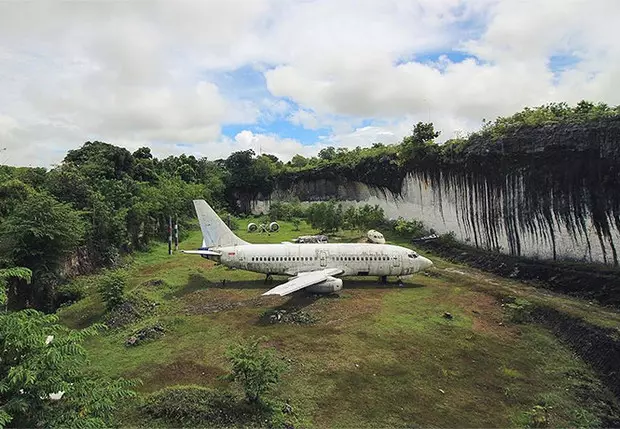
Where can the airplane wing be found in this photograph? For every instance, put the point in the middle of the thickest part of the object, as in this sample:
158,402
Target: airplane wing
303,280
202,252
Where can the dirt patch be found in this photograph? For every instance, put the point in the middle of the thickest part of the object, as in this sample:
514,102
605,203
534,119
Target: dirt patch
587,281
299,317
353,304
218,300
487,315
180,372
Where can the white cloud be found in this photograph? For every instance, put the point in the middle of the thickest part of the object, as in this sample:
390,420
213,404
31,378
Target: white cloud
136,73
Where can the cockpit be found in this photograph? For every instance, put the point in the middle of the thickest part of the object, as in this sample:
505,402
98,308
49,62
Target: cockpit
412,255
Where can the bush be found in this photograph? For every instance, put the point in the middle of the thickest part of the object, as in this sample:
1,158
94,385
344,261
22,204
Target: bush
255,369
519,310
69,293
325,216
195,405
112,289
412,227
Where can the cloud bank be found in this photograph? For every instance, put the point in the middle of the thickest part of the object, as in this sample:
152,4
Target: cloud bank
215,76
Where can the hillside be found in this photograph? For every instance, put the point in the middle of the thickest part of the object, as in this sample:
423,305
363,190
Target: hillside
377,355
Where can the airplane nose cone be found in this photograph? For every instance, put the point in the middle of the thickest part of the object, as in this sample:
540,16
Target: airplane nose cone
426,263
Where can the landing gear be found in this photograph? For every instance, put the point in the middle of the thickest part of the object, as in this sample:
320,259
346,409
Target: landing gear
400,282
383,280
268,279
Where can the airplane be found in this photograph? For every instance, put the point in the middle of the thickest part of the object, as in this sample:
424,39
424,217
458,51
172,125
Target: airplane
313,267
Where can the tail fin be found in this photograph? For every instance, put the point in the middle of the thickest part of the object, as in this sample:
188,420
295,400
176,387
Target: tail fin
215,233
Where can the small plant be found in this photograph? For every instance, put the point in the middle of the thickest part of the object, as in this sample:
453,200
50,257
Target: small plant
254,368
539,417
112,289
296,222
519,310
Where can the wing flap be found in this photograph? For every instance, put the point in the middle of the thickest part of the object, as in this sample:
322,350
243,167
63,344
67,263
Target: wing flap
303,280
202,252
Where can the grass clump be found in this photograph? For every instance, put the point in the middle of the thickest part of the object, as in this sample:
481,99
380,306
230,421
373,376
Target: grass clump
518,310
200,406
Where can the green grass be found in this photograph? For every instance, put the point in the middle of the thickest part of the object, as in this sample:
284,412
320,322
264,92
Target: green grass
378,356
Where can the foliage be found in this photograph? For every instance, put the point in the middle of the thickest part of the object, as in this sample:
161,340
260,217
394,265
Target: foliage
195,405
420,145
112,289
41,361
325,216
368,217
255,369
519,310
411,228
282,210
41,231
296,222
551,113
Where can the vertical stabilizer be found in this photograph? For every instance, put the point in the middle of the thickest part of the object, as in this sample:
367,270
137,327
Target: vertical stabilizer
215,233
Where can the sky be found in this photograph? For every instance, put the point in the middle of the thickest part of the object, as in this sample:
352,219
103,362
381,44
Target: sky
211,77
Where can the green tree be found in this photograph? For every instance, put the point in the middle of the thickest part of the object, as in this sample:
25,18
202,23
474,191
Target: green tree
299,161
12,193
41,231
350,218
325,216
369,217
45,377
39,234
254,368
327,153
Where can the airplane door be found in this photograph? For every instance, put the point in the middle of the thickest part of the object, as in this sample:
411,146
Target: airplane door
323,258
396,261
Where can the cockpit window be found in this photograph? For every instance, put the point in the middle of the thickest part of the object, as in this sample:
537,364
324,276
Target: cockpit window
413,255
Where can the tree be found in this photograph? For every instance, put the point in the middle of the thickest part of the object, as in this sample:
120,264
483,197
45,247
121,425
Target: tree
327,153
39,234
420,145
41,231
299,161
369,217
255,369
45,377
325,216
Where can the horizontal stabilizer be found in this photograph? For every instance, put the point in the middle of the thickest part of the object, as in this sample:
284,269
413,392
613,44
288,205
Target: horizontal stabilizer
202,252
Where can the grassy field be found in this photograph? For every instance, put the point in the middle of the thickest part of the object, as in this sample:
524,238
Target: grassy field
377,356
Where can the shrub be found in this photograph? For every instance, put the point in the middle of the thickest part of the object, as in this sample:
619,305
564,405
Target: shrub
112,289
519,310
412,227
196,405
255,369
69,293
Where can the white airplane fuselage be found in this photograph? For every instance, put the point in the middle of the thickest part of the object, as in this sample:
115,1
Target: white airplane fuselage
356,259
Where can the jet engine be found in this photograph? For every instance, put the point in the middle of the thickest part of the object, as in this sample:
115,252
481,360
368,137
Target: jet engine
330,285
252,227
274,227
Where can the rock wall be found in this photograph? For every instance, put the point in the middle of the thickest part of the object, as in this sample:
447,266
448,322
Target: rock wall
548,191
